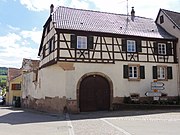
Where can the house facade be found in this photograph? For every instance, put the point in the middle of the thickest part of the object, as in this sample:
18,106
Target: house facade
14,91
170,21
91,60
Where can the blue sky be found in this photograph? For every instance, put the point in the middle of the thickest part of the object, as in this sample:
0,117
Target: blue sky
21,21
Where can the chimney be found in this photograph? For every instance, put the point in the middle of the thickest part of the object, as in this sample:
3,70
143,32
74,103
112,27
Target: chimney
51,8
132,14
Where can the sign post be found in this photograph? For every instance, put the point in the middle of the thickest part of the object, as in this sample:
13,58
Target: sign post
155,91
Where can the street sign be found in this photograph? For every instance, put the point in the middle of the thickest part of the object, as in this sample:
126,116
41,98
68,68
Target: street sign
153,94
157,86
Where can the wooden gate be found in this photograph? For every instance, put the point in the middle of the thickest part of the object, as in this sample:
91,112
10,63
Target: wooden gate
94,94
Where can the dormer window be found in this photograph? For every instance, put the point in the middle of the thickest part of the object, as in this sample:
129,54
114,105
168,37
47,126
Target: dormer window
161,19
48,28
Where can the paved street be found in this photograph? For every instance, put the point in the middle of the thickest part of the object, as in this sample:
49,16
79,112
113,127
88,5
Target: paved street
153,122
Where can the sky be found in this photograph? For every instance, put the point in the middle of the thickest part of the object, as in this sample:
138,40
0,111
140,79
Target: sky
21,21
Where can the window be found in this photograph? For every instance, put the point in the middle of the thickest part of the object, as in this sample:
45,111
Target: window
162,72
161,19
81,42
131,46
16,86
162,48
48,28
134,72
51,45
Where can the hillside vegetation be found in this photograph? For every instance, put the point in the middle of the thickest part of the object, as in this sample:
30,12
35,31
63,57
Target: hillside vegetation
3,76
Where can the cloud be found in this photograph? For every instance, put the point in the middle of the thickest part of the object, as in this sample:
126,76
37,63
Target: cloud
13,28
40,5
143,8
79,4
18,45
34,35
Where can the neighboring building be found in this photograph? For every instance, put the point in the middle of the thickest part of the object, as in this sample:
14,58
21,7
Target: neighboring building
14,86
91,60
170,21
29,80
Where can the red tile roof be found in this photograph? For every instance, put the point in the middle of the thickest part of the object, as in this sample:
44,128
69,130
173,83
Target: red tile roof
13,73
30,65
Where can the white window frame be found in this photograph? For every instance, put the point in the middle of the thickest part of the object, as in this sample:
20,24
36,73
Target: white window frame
133,71
131,46
161,72
162,48
81,42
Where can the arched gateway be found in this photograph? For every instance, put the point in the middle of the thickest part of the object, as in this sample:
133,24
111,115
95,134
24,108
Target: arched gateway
94,93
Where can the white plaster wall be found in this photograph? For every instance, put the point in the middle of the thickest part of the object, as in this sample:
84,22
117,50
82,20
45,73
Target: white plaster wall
28,86
121,87
52,82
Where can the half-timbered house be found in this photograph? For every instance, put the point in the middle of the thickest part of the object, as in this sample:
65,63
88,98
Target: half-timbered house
90,60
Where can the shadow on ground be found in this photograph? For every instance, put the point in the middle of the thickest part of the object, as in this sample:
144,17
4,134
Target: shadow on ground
106,114
18,116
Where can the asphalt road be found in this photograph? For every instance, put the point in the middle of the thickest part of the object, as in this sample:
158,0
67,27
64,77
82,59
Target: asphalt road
151,122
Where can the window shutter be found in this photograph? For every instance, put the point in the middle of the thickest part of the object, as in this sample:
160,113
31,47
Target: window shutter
73,41
169,73
142,72
168,49
138,46
125,71
124,45
90,42
154,72
155,45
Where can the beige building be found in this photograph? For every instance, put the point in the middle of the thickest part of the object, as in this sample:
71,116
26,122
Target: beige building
91,60
13,95
170,21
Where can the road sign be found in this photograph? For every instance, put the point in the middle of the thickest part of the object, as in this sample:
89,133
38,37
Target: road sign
157,86
153,94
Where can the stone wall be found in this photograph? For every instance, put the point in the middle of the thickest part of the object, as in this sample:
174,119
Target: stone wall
49,104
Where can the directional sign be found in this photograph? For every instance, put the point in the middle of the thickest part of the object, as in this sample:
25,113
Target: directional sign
153,94
157,86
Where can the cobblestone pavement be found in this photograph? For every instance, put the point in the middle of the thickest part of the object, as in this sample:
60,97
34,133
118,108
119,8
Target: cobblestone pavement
136,122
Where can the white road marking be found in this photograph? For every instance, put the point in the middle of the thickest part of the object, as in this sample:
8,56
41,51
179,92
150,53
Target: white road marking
71,129
118,128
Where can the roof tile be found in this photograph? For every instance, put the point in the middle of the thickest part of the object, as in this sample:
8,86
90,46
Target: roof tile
95,21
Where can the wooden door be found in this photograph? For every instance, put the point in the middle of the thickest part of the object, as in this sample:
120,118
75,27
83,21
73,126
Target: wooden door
94,94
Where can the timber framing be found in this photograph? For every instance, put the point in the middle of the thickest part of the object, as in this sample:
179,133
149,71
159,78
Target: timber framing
108,48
